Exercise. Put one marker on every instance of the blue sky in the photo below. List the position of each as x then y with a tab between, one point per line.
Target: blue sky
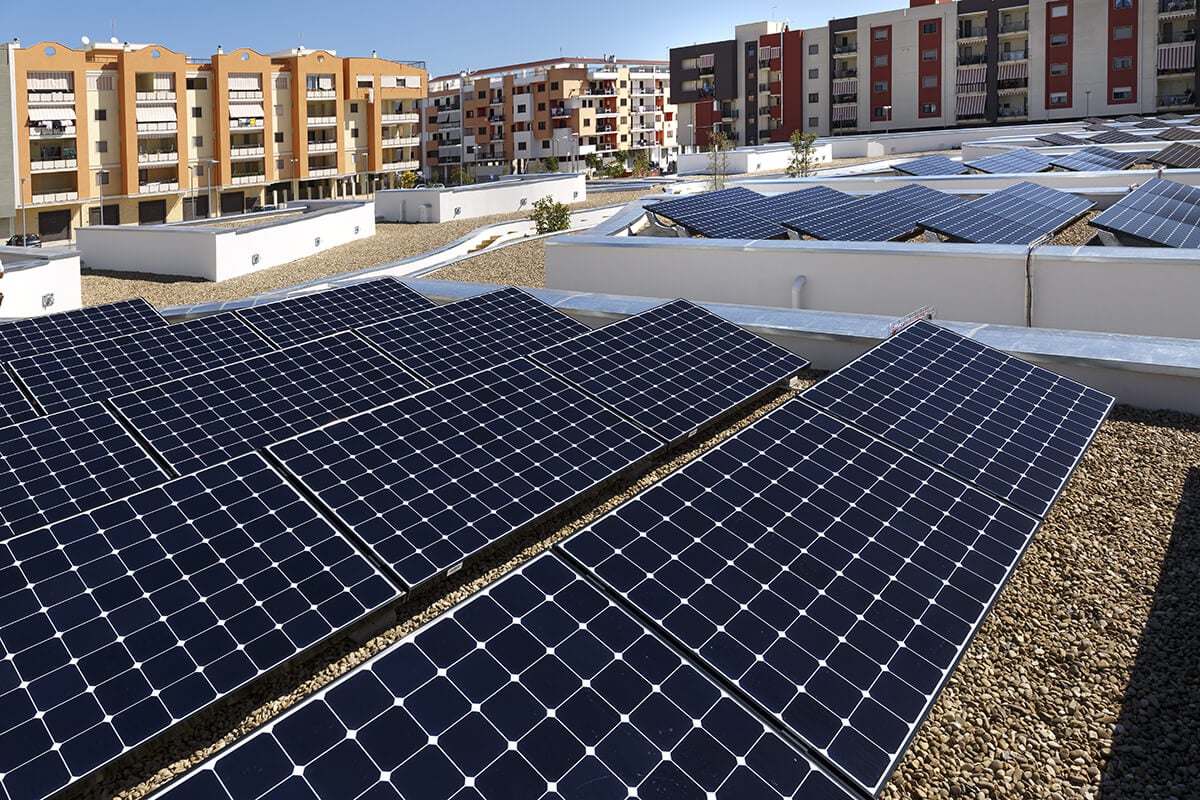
448	35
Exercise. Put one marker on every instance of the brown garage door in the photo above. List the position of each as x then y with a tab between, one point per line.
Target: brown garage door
112	215
233	203
54	226
152	212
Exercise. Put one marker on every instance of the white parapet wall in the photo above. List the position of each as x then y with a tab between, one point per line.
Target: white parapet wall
38	281
466	202
202	250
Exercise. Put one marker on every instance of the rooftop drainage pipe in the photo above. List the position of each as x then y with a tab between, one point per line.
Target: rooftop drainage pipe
1036	243
797	289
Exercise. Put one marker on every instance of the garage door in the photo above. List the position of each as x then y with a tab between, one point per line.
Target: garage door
195	207
152	212
112	215
54	226
233	203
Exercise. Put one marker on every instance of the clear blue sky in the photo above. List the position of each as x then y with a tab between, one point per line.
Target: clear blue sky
449	36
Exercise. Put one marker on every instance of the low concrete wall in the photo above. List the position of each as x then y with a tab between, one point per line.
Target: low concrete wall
481	200
216	254
38	281
1079	182
748	160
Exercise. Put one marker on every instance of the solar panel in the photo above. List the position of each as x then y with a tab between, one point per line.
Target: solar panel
1152	123
1116	137
1129	118
208	417
124	621
1160	211
14	404
1061	139
931	165
832	578
706	200
1170	115
1012	163
434	479
1015	430
306	317
539	686
1018	214
882	217
790	205
457	339
54	467
728	223
1177	156
95	371
1179	133
26	337
1097	159
674	368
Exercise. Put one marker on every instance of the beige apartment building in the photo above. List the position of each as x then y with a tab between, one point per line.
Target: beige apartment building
120	133
519	114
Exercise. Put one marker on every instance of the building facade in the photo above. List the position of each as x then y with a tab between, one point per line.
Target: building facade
517	115
939	64
121	133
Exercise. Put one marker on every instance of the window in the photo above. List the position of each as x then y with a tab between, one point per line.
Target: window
1058	98
520	108
354	108
279	137
813	121
929	27
624	84
624	101
553	86
541	106
197	141
541	126
1123	93
813	49
482	131
1123	62
587	123
102	177
929	81
879	112
101	114
470	113
545	144
813	97
1058	69
1059	10
482	95
1122	3
1058	39
541	87
521	146
354	133
881	61
814	73
880	34
366	83
1122	32
197	83
279	163
929	55
197	112
929	108
102	146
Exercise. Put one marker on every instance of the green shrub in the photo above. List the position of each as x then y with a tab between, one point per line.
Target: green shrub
408	180
549	215
550	164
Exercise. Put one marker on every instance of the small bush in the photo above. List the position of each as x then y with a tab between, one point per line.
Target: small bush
549	215
550	164
408	180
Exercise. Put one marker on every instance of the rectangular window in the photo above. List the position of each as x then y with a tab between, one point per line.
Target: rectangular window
929	27
929	108
1123	93
482	131
197	112
470	113
197	141
541	126
366	83
813	97
541	106
814	73
279	137
878	112
1059	10
521	146
1122	32
541	87
553	86
813	121
101	114
880	34
1122	3
545	144
929	55
482	95
881	61
1058	39
813	49
197	83
1058	98
587	123
102	177
354	108
880	86
929	82
1058	69
354	133
102	146
1123	62
279	163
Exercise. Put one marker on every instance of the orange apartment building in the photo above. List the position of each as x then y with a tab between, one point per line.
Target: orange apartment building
565	108
121	134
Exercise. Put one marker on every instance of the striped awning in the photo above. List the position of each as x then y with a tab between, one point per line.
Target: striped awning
156	114
976	74
44	114
843	113
845	86
246	110
1014	71
970	105
1177	56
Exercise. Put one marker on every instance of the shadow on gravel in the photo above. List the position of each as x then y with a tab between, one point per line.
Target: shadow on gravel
1156	750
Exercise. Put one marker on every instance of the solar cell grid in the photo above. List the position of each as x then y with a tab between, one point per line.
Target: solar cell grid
931	165
832	578
436	478
28	337
1061	139
457	339
14	404
729	223
1018	214
1116	137
1095	159
121	622
539	686
1178	156
791	205
885	216
706	200
54	467
1011	163
101	369
1015	430
208	417
1178	133
672	369
303	318
1160	211
1151	123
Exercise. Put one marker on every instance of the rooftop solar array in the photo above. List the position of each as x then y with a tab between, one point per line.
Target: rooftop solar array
881	217
833	579
1061	139
1129	118
704	201
1019	214
1151	123
101	369
457	339
433	479
54	467
35	335
1015	430
1178	133
789	205
1159	211
1116	137
672	369
728	223
1177	156
306	317
931	165
539	686
14	403
1015	162
1097	159
208	417
119	623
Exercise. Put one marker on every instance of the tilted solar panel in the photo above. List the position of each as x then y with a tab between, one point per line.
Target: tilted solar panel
1178	133
35	335
706	200
124	621
1160	211
1012	163
538	686
1061	139
98	370
1013	429
1018	214
1117	137
1151	123
431	480
14	403
672	369
832	578
885	216
729	223
931	165
208	417
1096	159
1178	156
54	467
1129	118
303	318
790	205
457	339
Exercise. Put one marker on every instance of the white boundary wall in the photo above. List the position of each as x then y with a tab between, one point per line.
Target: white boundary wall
480	200
216	254
36	284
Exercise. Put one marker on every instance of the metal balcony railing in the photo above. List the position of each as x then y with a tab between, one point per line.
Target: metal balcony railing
1014	55
852	47
972	33
1181	36
1015	27
1167	6
966	60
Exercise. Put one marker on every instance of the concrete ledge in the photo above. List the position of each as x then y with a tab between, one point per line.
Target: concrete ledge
480	200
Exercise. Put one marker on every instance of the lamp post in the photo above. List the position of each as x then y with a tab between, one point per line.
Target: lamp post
211	163
101	179
887	124
462	128
693	135
24	228
1087	102
295	179
366	158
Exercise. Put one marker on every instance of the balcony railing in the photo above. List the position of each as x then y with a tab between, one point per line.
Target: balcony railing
1014	27
322	122
559	112
322	172
1010	113
495	119
401	166
323	147
402	141
52	132
247	152
159	96
52	98
497	100
1167	101
401	119
246	123
168	157
157	187
846	73
1181	36
321	94
966	60
251	177
54	165
245	94
1014	55
1167	6
157	128
839	49
54	197
972	33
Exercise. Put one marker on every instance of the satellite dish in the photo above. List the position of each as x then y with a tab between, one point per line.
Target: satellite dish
85	40
115	40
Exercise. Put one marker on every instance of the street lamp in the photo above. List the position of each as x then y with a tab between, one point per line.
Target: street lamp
295	179
211	162
462	128
101	179
366	159
887	125
1087	100
24	228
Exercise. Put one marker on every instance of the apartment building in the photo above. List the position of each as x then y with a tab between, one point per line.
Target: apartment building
120	133
565	108
937	64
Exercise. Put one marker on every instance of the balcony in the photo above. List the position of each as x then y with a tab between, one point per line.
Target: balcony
160	96
1175	100
964	61
1173	38
496	119
54	197
559	113
846	73
402	141
845	49
1014	55
402	166
245	94
321	94
1176	6
1014	27
54	165
401	119
322	172
606	112
157	128
52	98
158	159
322	122
323	146
52	132
497	100
158	187
247	152
972	33
250	177
1012	113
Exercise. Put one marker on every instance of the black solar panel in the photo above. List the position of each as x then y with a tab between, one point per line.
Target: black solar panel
54	467
208	417
28	337
1129	118
306	317
674	368
539	686
931	165
1015	430
457	339
1019	214
1160	211
1061	139
832	578
436	478
791	205
1170	115
1097	159
98	370
1178	133
1177	156
890	215
119	623
728	223
1151	123
700	202
1014	162
1117	137
14	404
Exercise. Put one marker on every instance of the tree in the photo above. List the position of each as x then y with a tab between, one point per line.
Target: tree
408	180
804	154
550	164
549	215
621	157
719	146
641	164
461	176
593	161
614	169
